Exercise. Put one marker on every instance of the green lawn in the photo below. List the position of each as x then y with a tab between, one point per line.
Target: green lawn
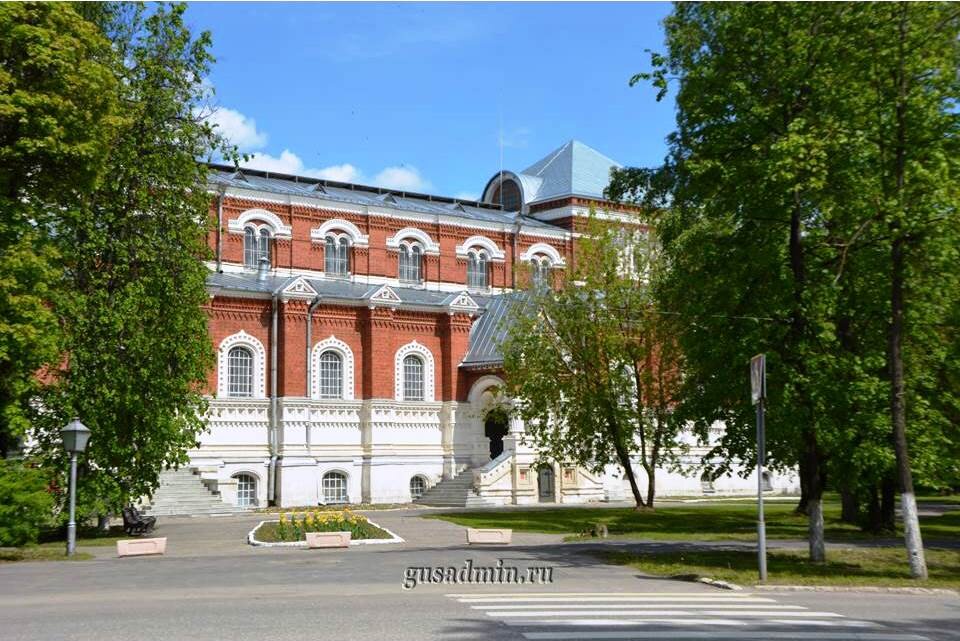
851	567
689	522
40	553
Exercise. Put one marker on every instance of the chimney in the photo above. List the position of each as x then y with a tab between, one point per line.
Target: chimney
263	268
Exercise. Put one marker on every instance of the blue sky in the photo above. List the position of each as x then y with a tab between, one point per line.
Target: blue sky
412	96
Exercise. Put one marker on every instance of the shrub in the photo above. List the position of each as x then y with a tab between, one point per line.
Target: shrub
293	527
26	505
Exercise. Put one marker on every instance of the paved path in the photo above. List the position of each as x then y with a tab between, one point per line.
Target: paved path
212	586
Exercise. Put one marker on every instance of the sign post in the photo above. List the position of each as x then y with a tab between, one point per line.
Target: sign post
758	394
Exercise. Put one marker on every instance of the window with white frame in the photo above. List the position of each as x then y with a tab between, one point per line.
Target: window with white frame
246	490
477	269
418	485
412	378
335	488
256	245
540	271
411	262
330	373
337	256
240	372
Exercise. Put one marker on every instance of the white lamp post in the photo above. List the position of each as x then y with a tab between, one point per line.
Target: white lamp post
75	436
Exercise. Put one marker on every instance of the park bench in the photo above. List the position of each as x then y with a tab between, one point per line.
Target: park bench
135	523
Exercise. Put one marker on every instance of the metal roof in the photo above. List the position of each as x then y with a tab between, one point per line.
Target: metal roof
312	188
489	332
574	169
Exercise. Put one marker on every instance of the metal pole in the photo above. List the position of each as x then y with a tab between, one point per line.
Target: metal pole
72	524
761	526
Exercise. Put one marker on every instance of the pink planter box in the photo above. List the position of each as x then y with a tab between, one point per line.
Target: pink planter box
328	539
477	536
141	547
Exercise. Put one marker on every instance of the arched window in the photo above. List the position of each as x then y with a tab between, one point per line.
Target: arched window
411	260
337	256
412	378
256	245
240	372
477	269
330	373
540	271
335	488
418	485
246	490
508	195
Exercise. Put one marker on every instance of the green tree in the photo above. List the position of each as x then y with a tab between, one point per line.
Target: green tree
593	364
812	187
26	504
134	282
57	100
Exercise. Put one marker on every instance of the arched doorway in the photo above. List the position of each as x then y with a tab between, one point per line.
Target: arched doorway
545	485
495	427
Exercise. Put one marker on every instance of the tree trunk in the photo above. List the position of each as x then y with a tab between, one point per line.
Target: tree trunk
651	486
888	505
804	488
814	498
898	414
898	406
849	504
624	457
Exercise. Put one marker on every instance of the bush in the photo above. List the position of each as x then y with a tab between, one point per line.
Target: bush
26	505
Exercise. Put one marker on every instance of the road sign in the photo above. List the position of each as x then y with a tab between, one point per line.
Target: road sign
758	378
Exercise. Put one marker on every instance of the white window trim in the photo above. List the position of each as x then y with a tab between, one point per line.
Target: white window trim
357	237
482	242
427	244
413	347
346	354
556	260
273	222
242	339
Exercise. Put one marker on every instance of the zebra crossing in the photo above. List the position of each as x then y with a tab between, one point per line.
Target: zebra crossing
620	616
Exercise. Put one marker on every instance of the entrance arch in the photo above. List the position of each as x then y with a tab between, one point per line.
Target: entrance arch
496	424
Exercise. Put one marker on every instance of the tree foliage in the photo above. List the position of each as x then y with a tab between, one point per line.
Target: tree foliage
57	104
593	364
810	137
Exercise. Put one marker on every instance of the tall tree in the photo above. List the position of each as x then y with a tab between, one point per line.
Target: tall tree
134	283
593	364
57	99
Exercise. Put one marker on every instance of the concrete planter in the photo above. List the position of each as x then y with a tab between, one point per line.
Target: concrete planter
476	536
253	540
141	547
328	539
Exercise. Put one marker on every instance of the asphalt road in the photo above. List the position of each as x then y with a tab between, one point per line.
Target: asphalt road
211	586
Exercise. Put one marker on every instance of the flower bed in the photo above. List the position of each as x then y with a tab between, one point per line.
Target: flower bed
292	528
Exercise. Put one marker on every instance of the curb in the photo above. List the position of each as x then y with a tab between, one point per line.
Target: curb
252	538
717	583
864	588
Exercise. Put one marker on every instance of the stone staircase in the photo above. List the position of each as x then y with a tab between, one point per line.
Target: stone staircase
181	492
455	492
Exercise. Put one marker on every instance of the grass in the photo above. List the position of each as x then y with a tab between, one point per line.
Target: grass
689	522
40	553
849	567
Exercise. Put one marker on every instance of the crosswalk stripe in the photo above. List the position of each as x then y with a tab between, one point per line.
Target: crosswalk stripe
711	595
654	613
561	635
615	597
640	606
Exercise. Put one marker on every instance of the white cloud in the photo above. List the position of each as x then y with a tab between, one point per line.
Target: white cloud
402	179
467	195
287	163
345	173
238	129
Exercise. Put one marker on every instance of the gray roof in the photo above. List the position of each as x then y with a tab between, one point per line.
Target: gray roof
486	335
332	289
574	169
489	332
226	176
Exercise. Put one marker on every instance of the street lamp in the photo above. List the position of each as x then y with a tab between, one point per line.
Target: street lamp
75	436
